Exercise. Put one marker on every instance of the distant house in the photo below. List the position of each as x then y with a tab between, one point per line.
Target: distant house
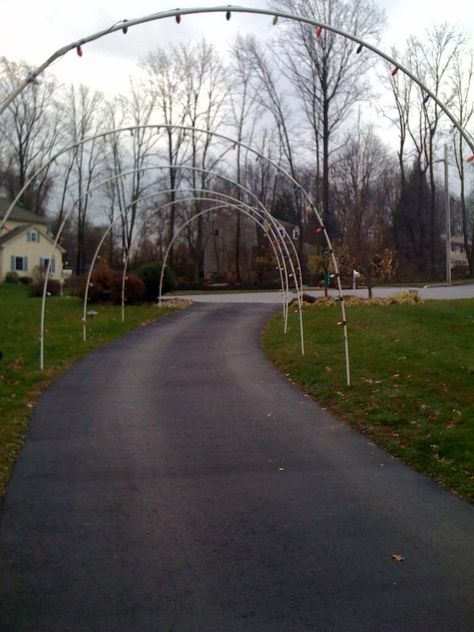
220	242
26	246
458	252
220	245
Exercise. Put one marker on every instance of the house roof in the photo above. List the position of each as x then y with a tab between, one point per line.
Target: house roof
20	214
15	232
11	234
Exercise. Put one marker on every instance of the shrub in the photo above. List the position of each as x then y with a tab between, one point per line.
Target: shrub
150	273
72	285
134	288
106	286
12	277
26	280
53	287
100	284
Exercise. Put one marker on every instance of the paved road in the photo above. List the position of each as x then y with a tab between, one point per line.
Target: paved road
428	292
174	482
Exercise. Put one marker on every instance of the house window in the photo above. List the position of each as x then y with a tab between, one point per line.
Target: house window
44	264
19	264
32	235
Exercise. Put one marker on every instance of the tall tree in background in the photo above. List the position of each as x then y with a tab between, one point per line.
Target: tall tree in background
82	112
419	121
401	87
29	130
164	83
462	104
411	226
244	114
430	59
205	90
271	96
132	153
327	73
366	190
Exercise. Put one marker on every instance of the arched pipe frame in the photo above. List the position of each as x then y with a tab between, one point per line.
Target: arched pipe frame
281	254
124	25
277	251
264	210
274	235
214	174
266	233
233	142
281	264
277	236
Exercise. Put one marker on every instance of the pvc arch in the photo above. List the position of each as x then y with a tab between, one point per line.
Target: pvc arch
252	150
258	222
233	142
270	217
264	212
84	318
279	239
284	281
230	201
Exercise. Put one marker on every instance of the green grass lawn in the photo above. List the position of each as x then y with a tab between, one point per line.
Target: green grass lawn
412	379
21	381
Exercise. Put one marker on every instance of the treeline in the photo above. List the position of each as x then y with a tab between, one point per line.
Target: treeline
300	99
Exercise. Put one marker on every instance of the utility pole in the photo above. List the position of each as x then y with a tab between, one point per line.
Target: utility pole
447	207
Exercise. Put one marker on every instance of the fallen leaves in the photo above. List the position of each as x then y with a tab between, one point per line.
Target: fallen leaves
397	557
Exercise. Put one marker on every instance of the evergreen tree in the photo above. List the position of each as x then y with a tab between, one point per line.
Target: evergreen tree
411	226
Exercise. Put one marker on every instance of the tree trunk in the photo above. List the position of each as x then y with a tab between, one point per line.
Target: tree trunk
237	248
326	209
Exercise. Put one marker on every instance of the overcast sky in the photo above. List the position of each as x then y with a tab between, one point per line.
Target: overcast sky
33	30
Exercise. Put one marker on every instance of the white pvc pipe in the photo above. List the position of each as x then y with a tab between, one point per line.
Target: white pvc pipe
89	275
84	319
214	174
241	210
270	217
276	234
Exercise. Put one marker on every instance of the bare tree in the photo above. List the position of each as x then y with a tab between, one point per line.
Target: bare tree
431	60
86	159
418	119
204	90
132	153
401	88
244	114
272	96
326	72
366	187
28	134
164	83
462	104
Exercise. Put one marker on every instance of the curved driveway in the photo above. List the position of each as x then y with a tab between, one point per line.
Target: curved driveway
174	481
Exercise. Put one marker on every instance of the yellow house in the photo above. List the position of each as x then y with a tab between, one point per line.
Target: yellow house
26	247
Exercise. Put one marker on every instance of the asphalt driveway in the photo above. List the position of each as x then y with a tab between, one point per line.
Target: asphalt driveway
174	481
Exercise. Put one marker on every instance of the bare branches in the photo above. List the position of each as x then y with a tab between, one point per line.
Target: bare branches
29	132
